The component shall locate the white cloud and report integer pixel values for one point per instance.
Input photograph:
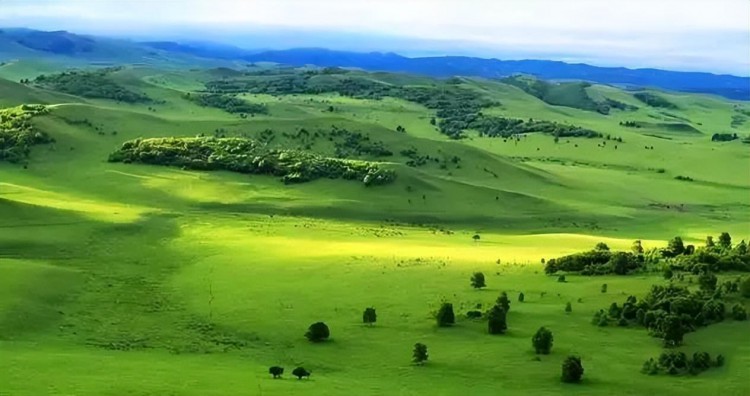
(658, 32)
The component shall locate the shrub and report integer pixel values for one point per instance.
(419, 355)
(276, 371)
(542, 341)
(300, 372)
(739, 312)
(604, 288)
(369, 316)
(568, 308)
(445, 316)
(318, 332)
(572, 369)
(497, 320)
(521, 297)
(561, 278)
(477, 280)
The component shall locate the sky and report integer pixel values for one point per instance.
(698, 35)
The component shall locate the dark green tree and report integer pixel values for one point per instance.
(419, 355)
(542, 341)
(318, 332)
(745, 287)
(637, 247)
(602, 247)
(504, 302)
(477, 280)
(707, 281)
(672, 329)
(572, 369)
(369, 316)
(300, 372)
(521, 297)
(476, 237)
(445, 316)
(668, 273)
(725, 241)
(710, 242)
(676, 247)
(604, 287)
(568, 307)
(741, 248)
(276, 371)
(739, 312)
(497, 320)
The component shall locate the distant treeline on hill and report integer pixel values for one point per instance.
(247, 156)
(93, 84)
(457, 109)
(228, 103)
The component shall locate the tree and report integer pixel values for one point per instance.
(672, 330)
(710, 242)
(433, 121)
(707, 281)
(476, 237)
(300, 372)
(745, 288)
(445, 316)
(504, 302)
(318, 332)
(572, 369)
(521, 297)
(741, 248)
(602, 247)
(497, 320)
(620, 262)
(668, 273)
(542, 341)
(676, 247)
(369, 316)
(604, 287)
(561, 279)
(739, 312)
(568, 307)
(477, 280)
(725, 241)
(637, 247)
(276, 371)
(419, 356)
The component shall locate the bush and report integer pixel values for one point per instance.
(419, 355)
(561, 278)
(739, 312)
(572, 369)
(300, 372)
(445, 316)
(91, 84)
(369, 316)
(318, 332)
(497, 320)
(542, 341)
(521, 297)
(276, 371)
(477, 280)
(18, 134)
(568, 308)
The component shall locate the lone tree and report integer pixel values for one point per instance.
(477, 280)
(676, 247)
(637, 247)
(318, 332)
(604, 287)
(521, 297)
(568, 307)
(419, 356)
(369, 316)
(572, 369)
(602, 247)
(476, 237)
(445, 316)
(542, 341)
(504, 302)
(496, 320)
(276, 371)
(300, 372)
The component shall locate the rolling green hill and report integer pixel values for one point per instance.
(185, 266)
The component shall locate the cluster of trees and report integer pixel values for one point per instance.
(630, 124)
(228, 103)
(669, 312)
(654, 100)
(90, 84)
(599, 261)
(351, 144)
(247, 156)
(457, 109)
(676, 363)
(724, 137)
(718, 256)
(18, 134)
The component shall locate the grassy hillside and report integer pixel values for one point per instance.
(128, 278)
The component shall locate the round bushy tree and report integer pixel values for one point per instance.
(739, 312)
(369, 316)
(445, 316)
(568, 307)
(521, 297)
(542, 341)
(572, 369)
(707, 281)
(419, 355)
(318, 332)
(477, 280)
(497, 320)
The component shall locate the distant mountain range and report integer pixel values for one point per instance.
(20, 43)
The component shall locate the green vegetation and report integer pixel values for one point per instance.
(247, 156)
(95, 84)
(677, 363)
(654, 100)
(137, 279)
(572, 369)
(228, 103)
(18, 134)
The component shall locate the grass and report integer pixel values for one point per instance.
(132, 279)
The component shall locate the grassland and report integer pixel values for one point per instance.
(133, 279)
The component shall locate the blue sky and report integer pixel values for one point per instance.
(705, 35)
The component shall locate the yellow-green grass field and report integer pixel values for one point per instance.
(123, 279)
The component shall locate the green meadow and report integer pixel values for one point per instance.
(135, 279)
